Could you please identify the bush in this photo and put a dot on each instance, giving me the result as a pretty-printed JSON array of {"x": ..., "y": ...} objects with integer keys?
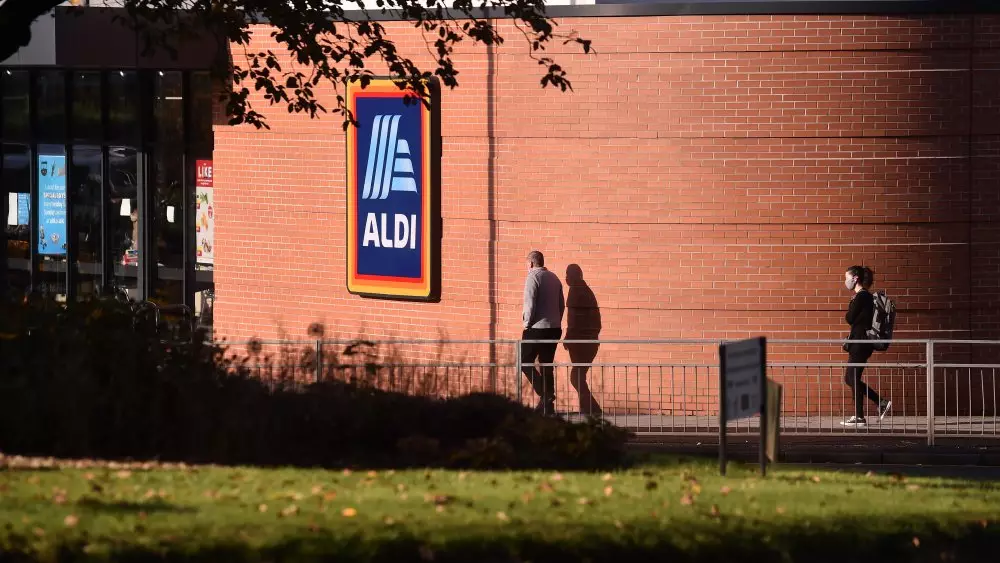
[{"x": 94, "y": 379}]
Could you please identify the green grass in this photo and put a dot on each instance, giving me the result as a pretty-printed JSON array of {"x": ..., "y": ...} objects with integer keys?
[{"x": 665, "y": 511}]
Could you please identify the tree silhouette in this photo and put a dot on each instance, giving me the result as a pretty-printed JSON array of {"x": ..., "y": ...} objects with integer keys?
[{"x": 327, "y": 42}]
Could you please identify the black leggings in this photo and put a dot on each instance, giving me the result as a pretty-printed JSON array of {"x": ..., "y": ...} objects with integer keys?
[{"x": 852, "y": 377}]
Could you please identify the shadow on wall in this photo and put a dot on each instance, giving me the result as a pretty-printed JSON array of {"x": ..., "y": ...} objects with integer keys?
[{"x": 583, "y": 322}]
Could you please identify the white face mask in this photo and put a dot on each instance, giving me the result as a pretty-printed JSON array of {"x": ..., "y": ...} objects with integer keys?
[{"x": 851, "y": 283}]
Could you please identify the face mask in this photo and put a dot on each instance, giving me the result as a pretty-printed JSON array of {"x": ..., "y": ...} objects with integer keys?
[{"x": 851, "y": 283}]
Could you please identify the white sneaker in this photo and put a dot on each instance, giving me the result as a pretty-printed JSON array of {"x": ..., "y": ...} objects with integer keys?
[{"x": 854, "y": 421}]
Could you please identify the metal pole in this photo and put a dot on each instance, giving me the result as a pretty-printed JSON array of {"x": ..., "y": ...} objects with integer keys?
[
  {"x": 763, "y": 407},
  {"x": 318, "y": 375},
  {"x": 722, "y": 410},
  {"x": 517, "y": 368},
  {"x": 930, "y": 393}
]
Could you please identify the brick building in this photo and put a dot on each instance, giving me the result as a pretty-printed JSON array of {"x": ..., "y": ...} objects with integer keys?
[{"x": 714, "y": 171}]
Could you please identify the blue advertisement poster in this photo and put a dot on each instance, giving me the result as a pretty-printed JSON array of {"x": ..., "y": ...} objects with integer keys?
[
  {"x": 51, "y": 204},
  {"x": 23, "y": 208}
]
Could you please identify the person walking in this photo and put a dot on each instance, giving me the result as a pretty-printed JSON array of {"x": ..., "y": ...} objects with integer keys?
[
  {"x": 860, "y": 313},
  {"x": 542, "y": 320}
]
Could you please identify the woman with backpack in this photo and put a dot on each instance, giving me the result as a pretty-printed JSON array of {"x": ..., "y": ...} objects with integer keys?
[{"x": 860, "y": 313}]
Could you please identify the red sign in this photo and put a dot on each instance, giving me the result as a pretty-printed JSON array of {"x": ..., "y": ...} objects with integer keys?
[{"x": 203, "y": 173}]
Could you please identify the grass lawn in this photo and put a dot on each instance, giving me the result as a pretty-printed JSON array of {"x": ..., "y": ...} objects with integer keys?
[{"x": 667, "y": 510}]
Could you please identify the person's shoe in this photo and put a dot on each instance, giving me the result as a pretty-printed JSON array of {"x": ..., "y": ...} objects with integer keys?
[
  {"x": 854, "y": 421},
  {"x": 883, "y": 409}
]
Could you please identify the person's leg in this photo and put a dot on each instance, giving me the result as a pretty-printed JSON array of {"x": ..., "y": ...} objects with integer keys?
[
  {"x": 882, "y": 406},
  {"x": 529, "y": 352},
  {"x": 547, "y": 355},
  {"x": 852, "y": 377}
]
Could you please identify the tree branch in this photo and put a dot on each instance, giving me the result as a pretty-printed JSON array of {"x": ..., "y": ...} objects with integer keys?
[{"x": 16, "y": 17}]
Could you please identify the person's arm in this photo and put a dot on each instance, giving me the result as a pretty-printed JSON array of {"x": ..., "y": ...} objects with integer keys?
[
  {"x": 530, "y": 293},
  {"x": 562, "y": 304}
]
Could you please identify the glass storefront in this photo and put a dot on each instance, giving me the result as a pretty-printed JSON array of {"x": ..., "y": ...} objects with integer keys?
[{"x": 107, "y": 185}]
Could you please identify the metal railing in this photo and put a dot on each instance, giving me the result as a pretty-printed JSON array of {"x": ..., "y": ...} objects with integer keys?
[{"x": 938, "y": 388}]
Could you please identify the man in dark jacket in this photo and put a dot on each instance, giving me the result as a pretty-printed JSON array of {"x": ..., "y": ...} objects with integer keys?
[{"x": 860, "y": 313}]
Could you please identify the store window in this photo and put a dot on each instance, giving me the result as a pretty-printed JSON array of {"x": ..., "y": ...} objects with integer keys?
[
  {"x": 107, "y": 181},
  {"x": 51, "y": 96},
  {"x": 16, "y": 179},
  {"x": 87, "y": 118},
  {"x": 123, "y": 105},
  {"x": 16, "y": 85},
  {"x": 123, "y": 214},
  {"x": 86, "y": 180}
]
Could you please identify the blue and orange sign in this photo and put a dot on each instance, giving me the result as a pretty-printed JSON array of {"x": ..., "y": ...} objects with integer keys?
[{"x": 393, "y": 194}]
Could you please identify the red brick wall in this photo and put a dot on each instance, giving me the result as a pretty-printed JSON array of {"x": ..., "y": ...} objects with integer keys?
[{"x": 711, "y": 176}]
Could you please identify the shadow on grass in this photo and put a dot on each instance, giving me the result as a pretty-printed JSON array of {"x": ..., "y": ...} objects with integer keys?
[
  {"x": 704, "y": 539},
  {"x": 124, "y": 508}
]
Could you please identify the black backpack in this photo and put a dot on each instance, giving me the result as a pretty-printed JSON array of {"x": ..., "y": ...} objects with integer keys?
[{"x": 883, "y": 322}]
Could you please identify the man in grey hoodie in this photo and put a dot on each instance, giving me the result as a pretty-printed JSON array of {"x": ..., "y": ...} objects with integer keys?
[{"x": 542, "y": 320}]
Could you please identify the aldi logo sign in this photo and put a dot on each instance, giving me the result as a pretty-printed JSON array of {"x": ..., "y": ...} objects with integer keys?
[{"x": 393, "y": 194}]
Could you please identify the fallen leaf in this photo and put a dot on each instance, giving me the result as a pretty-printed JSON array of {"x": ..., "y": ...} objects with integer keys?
[
  {"x": 714, "y": 511},
  {"x": 439, "y": 508},
  {"x": 442, "y": 499},
  {"x": 913, "y": 487},
  {"x": 70, "y": 521},
  {"x": 39, "y": 532},
  {"x": 372, "y": 474},
  {"x": 583, "y": 501},
  {"x": 815, "y": 479},
  {"x": 349, "y": 512},
  {"x": 606, "y": 477},
  {"x": 870, "y": 474},
  {"x": 780, "y": 510},
  {"x": 556, "y": 477},
  {"x": 262, "y": 508},
  {"x": 686, "y": 500},
  {"x": 502, "y": 516},
  {"x": 347, "y": 472},
  {"x": 123, "y": 474},
  {"x": 150, "y": 493},
  {"x": 696, "y": 488},
  {"x": 608, "y": 491},
  {"x": 725, "y": 490},
  {"x": 317, "y": 489},
  {"x": 59, "y": 498},
  {"x": 545, "y": 487},
  {"x": 291, "y": 510},
  {"x": 527, "y": 497},
  {"x": 388, "y": 521},
  {"x": 916, "y": 541},
  {"x": 619, "y": 525},
  {"x": 88, "y": 476},
  {"x": 462, "y": 475},
  {"x": 329, "y": 496}
]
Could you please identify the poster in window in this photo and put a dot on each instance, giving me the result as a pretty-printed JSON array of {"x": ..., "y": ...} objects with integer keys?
[
  {"x": 51, "y": 204},
  {"x": 204, "y": 226}
]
